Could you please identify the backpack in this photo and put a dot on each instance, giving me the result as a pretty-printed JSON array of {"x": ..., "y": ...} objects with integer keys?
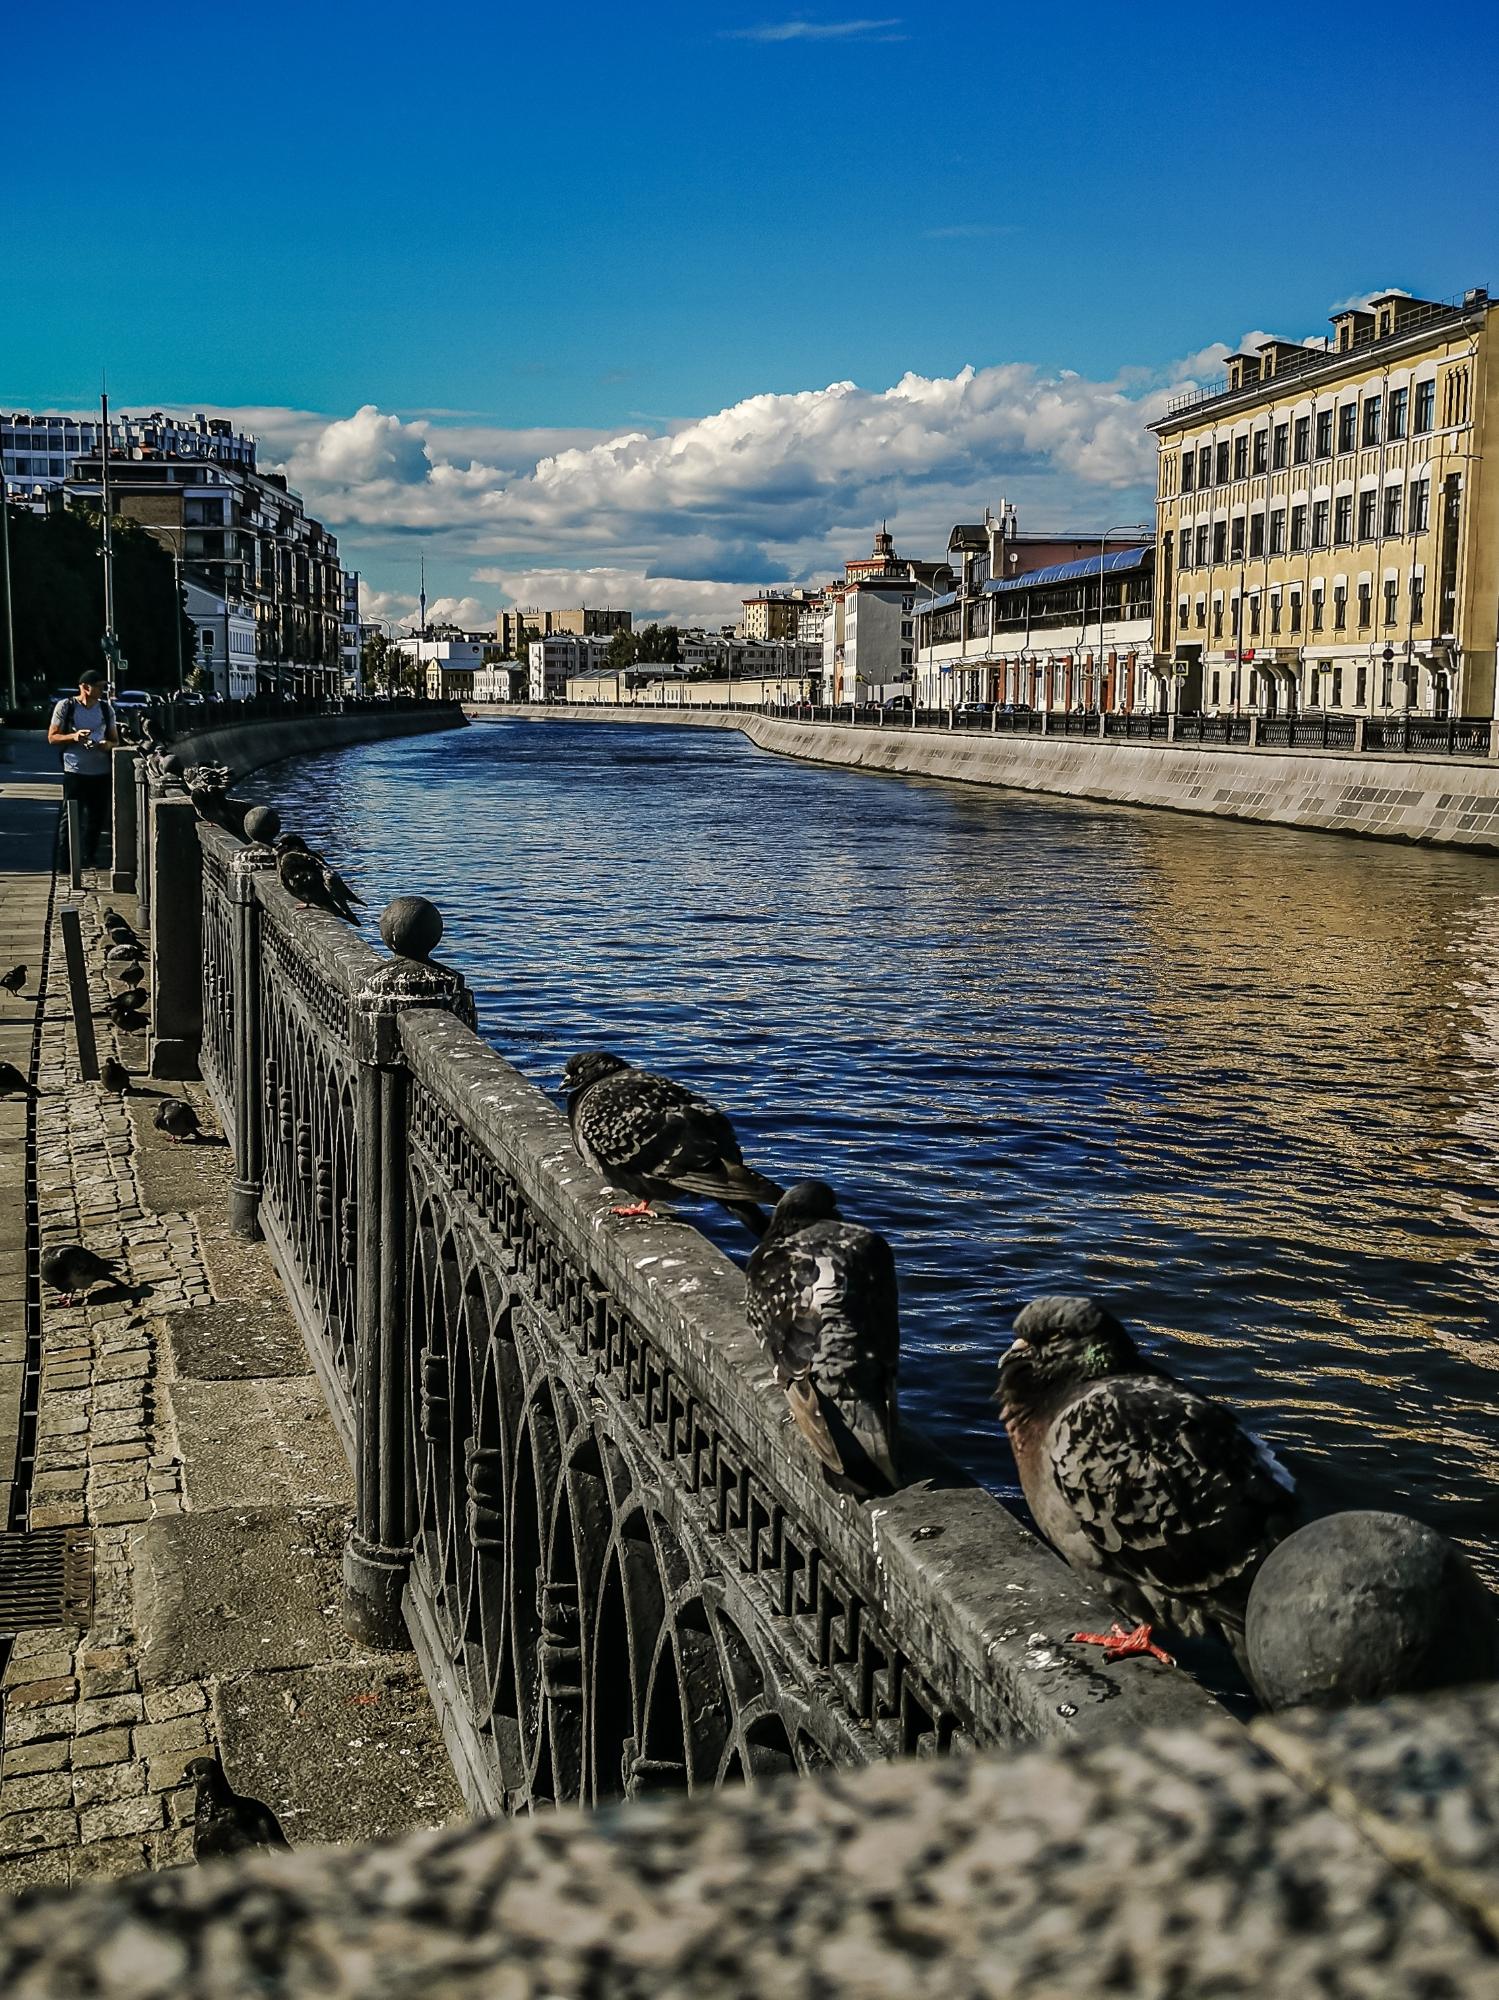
[{"x": 106, "y": 711}]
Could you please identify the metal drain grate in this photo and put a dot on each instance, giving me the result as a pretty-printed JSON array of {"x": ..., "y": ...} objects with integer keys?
[{"x": 46, "y": 1578}]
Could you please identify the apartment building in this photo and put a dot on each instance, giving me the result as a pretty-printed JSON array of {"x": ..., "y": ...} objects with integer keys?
[
  {"x": 779, "y": 614},
  {"x": 37, "y": 449},
  {"x": 1327, "y": 530},
  {"x": 583, "y": 622},
  {"x": 869, "y": 631}
]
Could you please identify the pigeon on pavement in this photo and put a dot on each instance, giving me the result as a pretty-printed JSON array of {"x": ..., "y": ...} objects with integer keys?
[
  {"x": 121, "y": 954},
  {"x": 126, "y": 1005},
  {"x": 821, "y": 1295},
  {"x": 655, "y": 1138},
  {"x": 13, "y": 980},
  {"x": 177, "y": 1118},
  {"x": 11, "y": 1081},
  {"x": 128, "y": 974},
  {"x": 226, "y": 1822},
  {"x": 115, "y": 1076},
  {"x": 74, "y": 1270},
  {"x": 1136, "y": 1479}
]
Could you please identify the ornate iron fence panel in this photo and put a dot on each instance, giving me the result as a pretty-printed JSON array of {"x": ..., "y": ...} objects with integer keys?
[
  {"x": 217, "y": 1054},
  {"x": 306, "y": 1001}
]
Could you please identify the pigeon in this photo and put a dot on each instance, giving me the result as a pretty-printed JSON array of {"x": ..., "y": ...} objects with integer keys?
[
  {"x": 309, "y": 878},
  {"x": 13, "y": 980},
  {"x": 284, "y": 842},
  {"x": 177, "y": 1118},
  {"x": 655, "y": 1138},
  {"x": 128, "y": 974},
  {"x": 225, "y": 1822},
  {"x": 115, "y": 1076},
  {"x": 1138, "y": 1480},
  {"x": 131, "y": 1001},
  {"x": 11, "y": 1080},
  {"x": 208, "y": 788},
  {"x": 73, "y": 1270},
  {"x": 121, "y": 954},
  {"x": 821, "y": 1296}
]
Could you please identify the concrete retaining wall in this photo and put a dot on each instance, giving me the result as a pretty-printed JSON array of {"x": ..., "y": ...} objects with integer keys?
[
  {"x": 246, "y": 746},
  {"x": 1450, "y": 801}
]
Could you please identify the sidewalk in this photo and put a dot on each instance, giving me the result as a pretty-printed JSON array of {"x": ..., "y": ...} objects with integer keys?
[{"x": 182, "y": 1434}]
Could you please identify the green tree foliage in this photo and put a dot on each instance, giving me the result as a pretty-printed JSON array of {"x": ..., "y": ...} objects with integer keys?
[
  {"x": 623, "y": 651},
  {"x": 658, "y": 642},
  {"x": 57, "y": 579}
]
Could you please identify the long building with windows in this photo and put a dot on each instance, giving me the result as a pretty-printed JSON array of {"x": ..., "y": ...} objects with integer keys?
[{"x": 1326, "y": 536}]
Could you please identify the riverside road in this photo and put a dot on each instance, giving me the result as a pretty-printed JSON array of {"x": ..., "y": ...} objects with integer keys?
[{"x": 1241, "y": 1079}]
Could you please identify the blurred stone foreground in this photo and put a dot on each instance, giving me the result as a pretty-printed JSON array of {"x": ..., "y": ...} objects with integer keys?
[{"x": 1351, "y": 1855}]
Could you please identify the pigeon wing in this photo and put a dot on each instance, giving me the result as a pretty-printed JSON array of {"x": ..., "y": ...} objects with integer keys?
[
  {"x": 629, "y": 1123},
  {"x": 1170, "y": 1489}
]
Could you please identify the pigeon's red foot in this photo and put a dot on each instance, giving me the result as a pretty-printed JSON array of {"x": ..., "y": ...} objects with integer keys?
[
  {"x": 1121, "y": 1645},
  {"x": 634, "y": 1208}
]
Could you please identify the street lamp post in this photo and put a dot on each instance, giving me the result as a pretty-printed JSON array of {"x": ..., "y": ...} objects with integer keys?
[
  {"x": 1125, "y": 528},
  {"x": 10, "y": 622}
]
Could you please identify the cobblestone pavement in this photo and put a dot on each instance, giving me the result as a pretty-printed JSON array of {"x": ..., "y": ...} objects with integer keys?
[{"x": 179, "y": 1422}]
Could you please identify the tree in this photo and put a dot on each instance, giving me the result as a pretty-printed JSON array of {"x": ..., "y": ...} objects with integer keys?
[
  {"x": 623, "y": 651},
  {"x": 57, "y": 579},
  {"x": 658, "y": 643}
]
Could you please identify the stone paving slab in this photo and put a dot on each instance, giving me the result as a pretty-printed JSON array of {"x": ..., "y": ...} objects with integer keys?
[{"x": 236, "y": 1341}]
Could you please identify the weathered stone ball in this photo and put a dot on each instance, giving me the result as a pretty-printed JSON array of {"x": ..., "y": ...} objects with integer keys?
[
  {"x": 411, "y": 926},
  {"x": 262, "y": 823},
  {"x": 1362, "y": 1605}
]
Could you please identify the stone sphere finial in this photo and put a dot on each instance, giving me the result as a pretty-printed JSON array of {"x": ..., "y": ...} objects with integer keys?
[
  {"x": 1358, "y": 1606},
  {"x": 411, "y": 926},
  {"x": 262, "y": 823}
]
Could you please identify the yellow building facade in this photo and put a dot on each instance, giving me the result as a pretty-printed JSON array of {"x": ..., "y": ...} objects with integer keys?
[{"x": 1327, "y": 529}]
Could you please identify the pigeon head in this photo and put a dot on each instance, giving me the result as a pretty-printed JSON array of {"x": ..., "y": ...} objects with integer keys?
[
  {"x": 199, "y": 1768},
  {"x": 806, "y": 1201},
  {"x": 591, "y": 1066},
  {"x": 287, "y": 841},
  {"x": 1059, "y": 1342}
]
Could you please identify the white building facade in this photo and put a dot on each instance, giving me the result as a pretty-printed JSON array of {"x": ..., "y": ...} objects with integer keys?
[
  {"x": 553, "y": 661},
  {"x": 224, "y": 646}
]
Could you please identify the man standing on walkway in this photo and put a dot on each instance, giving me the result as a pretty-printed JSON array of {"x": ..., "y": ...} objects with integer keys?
[{"x": 83, "y": 726}]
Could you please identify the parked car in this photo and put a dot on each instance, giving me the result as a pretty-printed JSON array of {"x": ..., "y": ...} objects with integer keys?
[
  {"x": 132, "y": 698},
  {"x": 973, "y": 715}
]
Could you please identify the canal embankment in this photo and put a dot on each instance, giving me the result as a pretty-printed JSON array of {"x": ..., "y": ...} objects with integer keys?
[
  {"x": 247, "y": 746},
  {"x": 1443, "y": 801}
]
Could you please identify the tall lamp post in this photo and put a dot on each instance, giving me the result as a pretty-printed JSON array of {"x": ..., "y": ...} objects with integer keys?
[{"x": 1125, "y": 528}]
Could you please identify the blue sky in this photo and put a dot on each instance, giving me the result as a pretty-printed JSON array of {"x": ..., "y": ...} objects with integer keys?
[{"x": 508, "y": 232}]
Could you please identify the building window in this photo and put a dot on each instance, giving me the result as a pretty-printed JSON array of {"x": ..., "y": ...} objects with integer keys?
[
  {"x": 1373, "y": 411},
  {"x": 1395, "y": 430},
  {"x": 1220, "y": 467},
  {"x": 1184, "y": 549},
  {"x": 1182, "y": 611},
  {"x": 1337, "y": 687},
  {"x": 1324, "y": 434},
  {"x": 1254, "y": 617},
  {"x": 1317, "y": 609},
  {"x": 1236, "y": 616},
  {"x": 1347, "y": 426},
  {"x": 1342, "y": 525},
  {"x": 1386, "y": 683},
  {"x": 1277, "y": 531},
  {"x": 1274, "y": 612},
  {"x": 1368, "y": 504},
  {"x": 1295, "y": 610},
  {"x": 1303, "y": 440},
  {"x": 1262, "y": 451},
  {"x": 1216, "y": 697},
  {"x": 1202, "y": 548},
  {"x": 1241, "y": 458},
  {"x": 1418, "y": 600},
  {"x": 1365, "y": 603},
  {"x": 1281, "y": 452},
  {"x": 1298, "y": 529},
  {"x": 1202, "y": 614},
  {"x": 1321, "y": 523},
  {"x": 1426, "y": 406},
  {"x": 1205, "y": 465},
  {"x": 1392, "y": 499},
  {"x": 1236, "y": 539},
  {"x": 1391, "y": 600},
  {"x": 1361, "y": 688},
  {"x": 1420, "y": 514},
  {"x": 1189, "y": 465},
  {"x": 1220, "y": 540},
  {"x": 1217, "y": 617},
  {"x": 1340, "y": 607}
]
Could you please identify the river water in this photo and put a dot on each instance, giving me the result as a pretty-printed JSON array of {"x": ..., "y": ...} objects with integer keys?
[{"x": 1239, "y": 1080}]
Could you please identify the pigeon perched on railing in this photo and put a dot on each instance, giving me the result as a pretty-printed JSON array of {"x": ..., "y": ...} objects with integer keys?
[
  {"x": 1136, "y": 1479},
  {"x": 12, "y": 1081},
  {"x": 114, "y": 1076},
  {"x": 655, "y": 1138},
  {"x": 315, "y": 884},
  {"x": 13, "y": 980},
  {"x": 177, "y": 1118},
  {"x": 821, "y": 1295},
  {"x": 226, "y": 1822},
  {"x": 73, "y": 1270}
]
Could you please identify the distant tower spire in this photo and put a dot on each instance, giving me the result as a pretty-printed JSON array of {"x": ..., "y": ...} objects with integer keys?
[{"x": 424, "y": 598}]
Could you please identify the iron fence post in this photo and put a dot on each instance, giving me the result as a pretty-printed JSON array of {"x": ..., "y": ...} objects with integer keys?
[
  {"x": 249, "y": 1054},
  {"x": 377, "y": 1555},
  {"x": 143, "y": 837}
]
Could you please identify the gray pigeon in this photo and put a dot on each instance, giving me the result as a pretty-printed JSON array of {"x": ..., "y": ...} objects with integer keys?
[
  {"x": 126, "y": 1007},
  {"x": 74, "y": 1270},
  {"x": 11, "y": 1080},
  {"x": 121, "y": 954},
  {"x": 177, "y": 1118},
  {"x": 655, "y": 1138},
  {"x": 821, "y": 1296},
  {"x": 13, "y": 980},
  {"x": 115, "y": 1076},
  {"x": 226, "y": 1822},
  {"x": 128, "y": 974},
  {"x": 314, "y": 883},
  {"x": 1136, "y": 1479}
]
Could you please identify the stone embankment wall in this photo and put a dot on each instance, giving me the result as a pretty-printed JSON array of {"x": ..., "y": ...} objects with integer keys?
[
  {"x": 246, "y": 746},
  {"x": 1448, "y": 801}
]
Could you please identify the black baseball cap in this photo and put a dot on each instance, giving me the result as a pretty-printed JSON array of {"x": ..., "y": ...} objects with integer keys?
[{"x": 92, "y": 677}]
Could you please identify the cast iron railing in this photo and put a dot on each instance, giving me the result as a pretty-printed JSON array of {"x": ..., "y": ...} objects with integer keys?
[{"x": 578, "y": 1488}]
